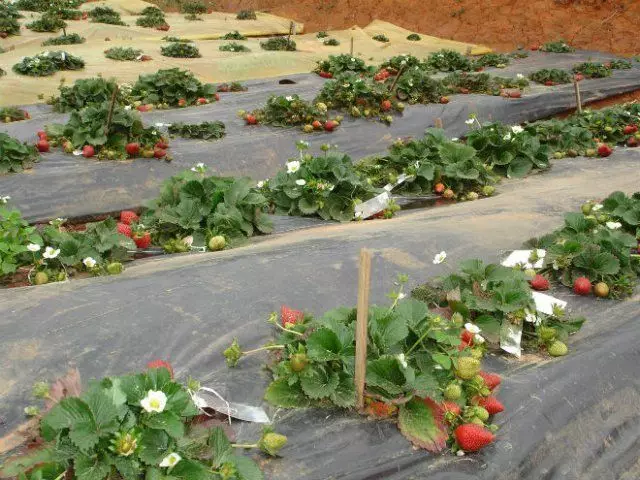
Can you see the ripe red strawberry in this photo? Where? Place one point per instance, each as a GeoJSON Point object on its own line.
{"type": "Point", "coordinates": [182, 102]}
{"type": "Point", "coordinates": [604, 150]}
{"type": "Point", "coordinates": [132, 149]}
{"type": "Point", "coordinates": [492, 380]}
{"type": "Point", "coordinates": [535, 47]}
{"type": "Point", "coordinates": [582, 286]}
{"type": "Point", "coordinates": [27, 115]}
{"type": "Point", "coordinates": [632, 142]}
{"type": "Point", "coordinates": [464, 91]}
{"type": "Point", "coordinates": [159, 153]}
{"type": "Point", "coordinates": [579, 77]}
{"type": "Point", "coordinates": [467, 337]}
{"type": "Point", "coordinates": [451, 407]}
{"type": "Point", "coordinates": [42, 135]}
{"type": "Point", "coordinates": [515, 94]}
{"type": "Point", "coordinates": [326, 74]}
{"type": "Point", "coordinates": [316, 124]}
{"type": "Point", "coordinates": [43, 145]}
{"type": "Point", "coordinates": [472, 437]}
{"type": "Point", "coordinates": [142, 240]}
{"type": "Point", "coordinates": [201, 101]}
{"type": "Point", "coordinates": [85, 15]}
{"type": "Point", "coordinates": [161, 364]}
{"type": "Point", "coordinates": [629, 129]}
{"type": "Point", "coordinates": [549, 83]}
{"type": "Point", "coordinates": [385, 106]}
{"type": "Point", "coordinates": [539, 283]}
{"type": "Point", "coordinates": [143, 108]}
{"type": "Point", "coordinates": [439, 188]}
{"type": "Point", "coordinates": [444, 100]}
{"type": "Point", "coordinates": [289, 316]}
{"type": "Point", "coordinates": [124, 229]}
{"type": "Point", "coordinates": [128, 217]}
{"type": "Point", "coordinates": [491, 405]}
{"type": "Point", "coordinates": [162, 144]}
{"type": "Point", "coordinates": [145, 58]}
{"type": "Point", "coordinates": [88, 151]}
{"type": "Point", "coordinates": [251, 119]}
{"type": "Point", "coordinates": [329, 125]}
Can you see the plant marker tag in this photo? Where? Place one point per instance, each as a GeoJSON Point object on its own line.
{"type": "Point", "coordinates": [521, 257]}
{"type": "Point", "coordinates": [379, 202]}
{"type": "Point", "coordinates": [545, 303]}
{"type": "Point", "coordinates": [208, 398]}
{"type": "Point", "coordinates": [510, 338]}
{"type": "Point", "coordinates": [198, 248]}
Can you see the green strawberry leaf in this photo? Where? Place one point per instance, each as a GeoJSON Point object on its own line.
{"type": "Point", "coordinates": [246, 469]}
{"type": "Point", "coordinates": [220, 446]}
{"type": "Point", "coordinates": [426, 385]}
{"type": "Point", "coordinates": [324, 345]}
{"type": "Point", "coordinates": [345, 393]}
{"type": "Point", "coordinates": [74, 414]}
{"type": "Point", "coordinates": [87, 468]}
{"type": "Point", "coordinates": [190, 470]}
{"type": "Point", "coordinates": [167, 421]}
{"type": "Point", "coordinates": [412, 311]}
{"type": "Point", "coordinates": [280, 394]}
{"type": "Point", "coordinates": [387, 374]}
{"type": "Point", "coordinates": [420, 421]}
{"type": "Point", "coordinates": [153, 446]}
{"type": "Point", "coordinates": [319, 383]}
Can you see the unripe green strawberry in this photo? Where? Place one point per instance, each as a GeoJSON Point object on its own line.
{"type": "Point", "coordinates": [530, 273]}
{"type": "Point", "coordinates": [271, 443]}
{"type": "Point", "coordinates": [468, 367]}
{"type": "Point", "coordinates": [587, 207]}
{"type": "Point", "coordinates": [488, 190]}
{"type": "Point", "coordinates": [217, 243]}
{"type": "Point", "coordinates": [485, 391]}
{"type": "Point", "coordinates": [41, 278]}
{"type": "Point", "coordinates": [452, 392]}
{"type": "Point", "coordinates": [477, 421]}
{"type": "Point", "coordinates": [298, 362]}
{"type": "Point", "coordinates": [477, 353]}
{"type": "Point", "coordinates": [481, 413]}
{"type": "Point", "coordinates": [557, 349]}
{"type": "Point", "coordinates": [457, 319]}
{"type": "Point", "coordinates": [547, 333]}
{"type": "Point", "coordinates": [472, 196]}
{"type": "Point", "coordinates": [114, 268]}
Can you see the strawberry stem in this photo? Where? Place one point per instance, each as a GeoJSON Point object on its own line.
{"type": "Point", "coordinates": [422, 337]}
{"type": "Point", "coordinates": [287, 330]}
{"type": "Point", "coordinates": [266, 347]}
{"type": "Point", "coordinates": [244, 445]}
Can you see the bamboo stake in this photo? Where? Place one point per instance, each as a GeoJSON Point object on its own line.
{"type": "Point", "coordinates": [576, 87]}
{"type": "Point", "coordinates": [395, 80]}
{"type": "Point", "coordinates": [438, 123]}
{"type": "Point", "coordinates": [292, 27]}
{"type": "Point", "coordinates": [351, 47]}
{"type": "Point", "coordinates": [111, 108]}
{"type": "Point", "coordinates": [364, 283]}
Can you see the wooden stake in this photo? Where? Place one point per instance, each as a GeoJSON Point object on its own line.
{"type": "Point", "coordinates": [111, 108]}
{"type": "Point", "coordinates": [351, 46]}
{"type": "Point", "coordinates": [438, 123]}
{"type": "Point", "coordinates": [292, 27]}
{"type": "Point", "coordinates": [364, 283]}
{"type": "Point", "coordinates": [576, 87]}
{"type": "Point", "coordinates": [395, 80]}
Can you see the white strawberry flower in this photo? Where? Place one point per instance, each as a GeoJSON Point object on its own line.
{"type": "Point", "coordinates": [455, 139]}
{"type": "Point", "coordinates": [469, 121]}
{"type": "Point", "coordinates": [477, 338]}
{"type": "Point", "coordinates": [154, 402]}
{"type": "Point", "coordinates": [358, 215]}
{"type": "Point", "coordinates": [460, 453]}
{"type": "Point", "coordinates": [33, 247]}
{"type": "Point", "coordinates": [471, 328]}
{"type": "Point", "coordinates": [89, 262]}
{"type": "Point", "coordinates": [77, 152]}
{"type": "Point", "coordinates": [613, 225]}
{"type": "Point", "coordinates": [596, 207]}
{"type": "Point", "coordinates": [402, 295]}
{"type": "Point", "coordinates": [517, 129]}
{"type": "Point", "coordinates": [293, 166]}
{"type": "Point", "coordinates": [260, 184]}
{"type": "Point", "coordinates": [127, 107]}
{"type": "Point", "coordinates": [439, 258]}
{"type": "Point", "coordinates": [519, 76]}
{"type": "Point", "coordinates": [531, 317]}
{"type": "Point", "coordinates": [301, 182]}
{"type": "Point", "coordinates": [199, 167]}
{"type": "Point", "coordinates": [51, 252]}
{"type": "Point", "coordinates": [289, 98]}
{"type": "Point", "coordinates": [507, 137]}
{"type": "Point", "coordinates": [5, 199]}
{"type": "Point", "coordinates": [402, 360]}
{"type": "Point", "coordinates": [170, 460]}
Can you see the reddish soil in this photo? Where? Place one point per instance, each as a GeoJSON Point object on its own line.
{"type": "Point", "coordinates": [606, 25]}
{"type": "Point", "coordinates": [607, 102]}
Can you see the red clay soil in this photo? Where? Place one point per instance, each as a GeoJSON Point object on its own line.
{"type": "Point", "coordinates": [605, 25]}
{"type": "Point", "coordinates": [606, 102]}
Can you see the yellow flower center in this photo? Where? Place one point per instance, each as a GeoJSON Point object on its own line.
{"type": "Point", "coordinates": [154, 403]}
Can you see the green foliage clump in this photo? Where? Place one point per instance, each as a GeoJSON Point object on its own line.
{"type": "Point", "coordinates": [279, 44]}
{"type": "Point", "coordinates": [47, 63]}
{"type": "Point", "coordinates": [180, 50]}
{"type": "Point", "coordinates": [416, 86]}
{"type": "Point", "coordinates": [491, 60]}
{"type": "Point", "coordinates": [559, 46]}
{"type": "Point", "coordinates": [47, 23]}
{"type": "Point", "coordinates": [551, 76]}
{"type": "Point", "coordinates": [246, 15]}
{"type": "Point", "coordinates": [381, 37]}
{"type": "Point", "coordinates": [233, 47]}
{"type": "Point", "coordinates": [69, 39]}
{"type": "Point", "coordinates": [331, 42]}
{"type": "Point", "coordinates": [105, 14]}
{"type": "Point", "coordinates": [194, 7]}
{"type": "Point", "coordinates": [448, 61]}
{"type": "Point", "coordinates": [151, 17]}
{"type": "Point", "coordinates": [85, 92]}
{"type": "Point", "coordinates": [205, 130]}
{"type": "Point", "coordinates": [414, 37]}
{"type": "Point", "coordinates": [9, 16]}
{"type": "Point", "coordinates": [16, 156]}
{"type": "Point", "coordinates": [592, 70]}
{"type": "Point", "coordinates": [123, 53]}
{"type": "Point", "coordinates": [12, 114]}
{"type": "Point", "coordinates": [337, 64]}
{"type": "Point", "coordinates": [235, 35]}
{"type": "Point", "coordinates": [15, 232]}
{"type": "Point", "coordinates": [169, 86]}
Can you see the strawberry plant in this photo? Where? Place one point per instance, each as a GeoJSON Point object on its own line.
{"type": "Point", "coordinates": [414, 37]}
{"type": "Point", "coordinates": [416, 374]}
{"type": "Point", "coordinates": [246, 15]}
{"type": "Point", "coordinates": [381, 37]}
{"type": "Point", "coordinates": [337, 64]}
{"type": "Point", "coordinates": [16, 156]}
{"type": "Point", "coordinates": [559, 46]}
{"type": "Point", "coordinates": [448, 61]}
{"type": "Point", "coordinates": [624, 210]}
{"type": "Point", "coordinates": [610, 124]}
{"type": "Point", "coordinates": [193, 7]}
{"type": "Point", "coordinates": [170, 86]}
{"type": "Point", "coordinates": [326, 186]}
{"type": "Point", "coordinates": [47, 63]}
{"type": "Point", "coordinates": [205, 130]}
{"type": "Point", "coordinates": [592, 70]}
{"type": "Point", "coordinates": [231, 87]}
{"type": "Point", "coordinates": [47, 23]}
{"type": "Point", "coordinates": [180, 50]}
{"type": "Point", "coordinates": [172, 39]}
{"type": "Point", "coordinates": [86, 129]}
{"type": "Point", "coordinates": [85, 92]}
{"type": "Point", "coordinates": [122, 54]}
{"type": "Point", "coordinates": [151, 17]}
{"type": "Point", "coordinates": [13, 114]}
{"type": "Point", "coordinates": [233, 47]}
{"type": "Point", "coordinates": [235, 35]}
{"type": "Point", "coordinates": [405, 62]}
{"type": "Point", "coordinates": [564, 137]}
{"type": "Point", "coordinates": [191, 203]}
{"type": "Point", "coordinates": [508, 151]}
{"type": "Point", "coordinates": [70, 39]}
{"type": "Point", "coordinates": [498, 60]}
{"type": "Point", "coordinates": [428, 162]}
{"type": "Point", "coordinates": [279, 44]}
{"type": "Point", "coordinates": [416, 86]}
{"type": "Point", "coordinates": [463, 82]}
{"type": "Point", "coordinates": [9, 16]}
{"type": "Point", "coordinates": [137, 426]}
{"type": "Point", "coordinates": [591, 247]}
{"type": "Point", "coordinates": [105, 14]}
{"type": "Point", "coordinates": [331, 42]}
{"type": "Point", "coordinates": [322, 34]}
{"type": "Point", "coordinates": [619, 64]}
{"type": "Point", "coordinates": [497, 300]}
{"type": "Point", "coordinates": [551, 76]}
{"type": "Point", "coordinates": [283, 111]}
{"type": "Point", "coordinates": [15, 233]}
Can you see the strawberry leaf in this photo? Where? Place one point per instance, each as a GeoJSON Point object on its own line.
{"type": "Point", "coordinates": [319, 383]}
{"type": "Point", "coordinates": [220, 446]}
{"type": "Point", "coordinates": [246, 469]}
{"type": "Point", "coordinates": [281, 394]}
{"type": "Point", "coordinates": [386, 374]}
{"type": "Point", "coordinates": [420, 422]}
{"type": "Point", "coordinates": [345, 393]}
{"type": "Point", "coordinates": [154, 445]}
{"type": "Point", "coordinates": [87, 468]}
{"type": "Point", "coordinates": [167, 421]}
{"type": "Point", "coordinates": [412, 311]}
{"type": "Point", "coordinates": [324, 345]}
{"type": "Point", "coordinates": [190, 470]}
{"type": "Point", "coordinates": [74, 414]}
